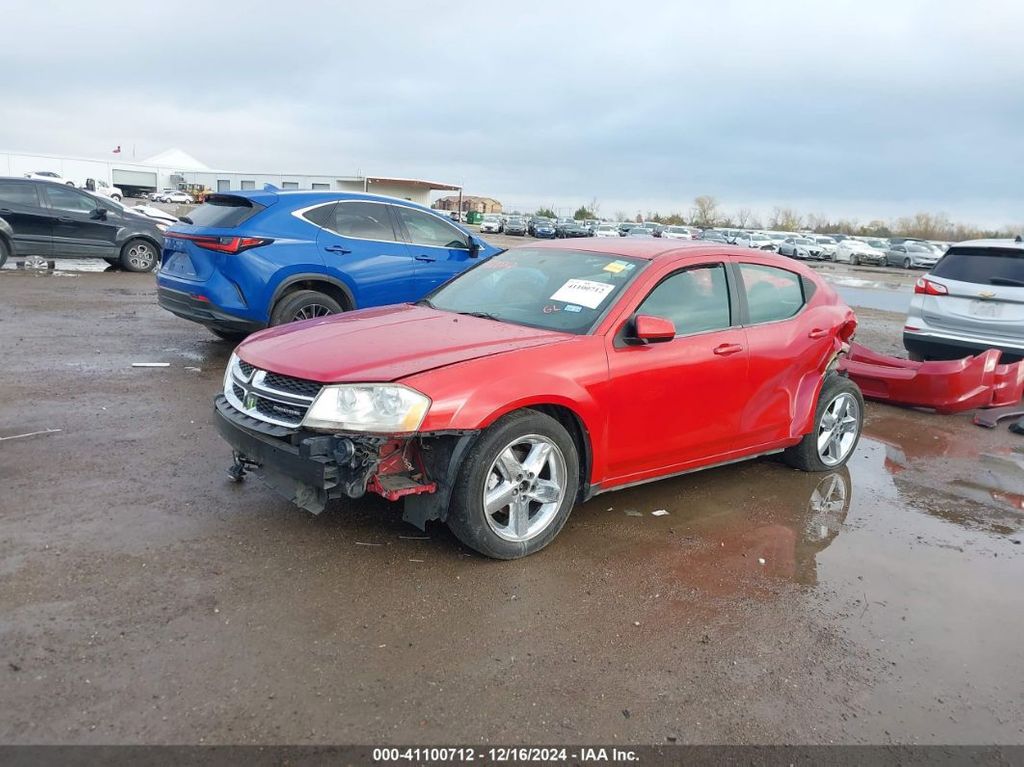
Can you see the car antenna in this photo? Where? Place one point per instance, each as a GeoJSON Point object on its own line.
{"type": "Point", "coordinates": [270, 188]}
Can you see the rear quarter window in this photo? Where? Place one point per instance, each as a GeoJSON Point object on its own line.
{"type": "Point", "coordinates": [772, 294]}
{"type": "Point", "coordinates": [19, 193]}
{"type": "Point", "coordinates": [982, 266]}
{"type": "Point", "coordinates": [224, 211]}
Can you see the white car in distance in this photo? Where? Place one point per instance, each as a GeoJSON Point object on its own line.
{"type": "Point", "coordinates": [606, 230]}
{"type": "Point", "coordinates": [676, 233]}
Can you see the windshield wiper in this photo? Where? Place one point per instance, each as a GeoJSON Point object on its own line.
{"type": "Point", "coordinates": [186, 219]}
{"type": "Point", "coordinates": [425, 302]}
{"type": "Point", "coordinates": [1008, 281]}
{"type": "Point", "coordinates": [483, 315]}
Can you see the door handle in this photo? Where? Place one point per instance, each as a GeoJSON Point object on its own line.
{"type": "Point", "coordinates": [817, 333]}
{"type": "Point", "coordinates": [724, 350]}
{"type": "Point", "coordinates": [425, 258]}
{"type": "Point", "coordinates": [6, 210]}
{"type": "Point", "coordinates": [65, 220]}
{"type": "Point", "coordinates": [337, 249]}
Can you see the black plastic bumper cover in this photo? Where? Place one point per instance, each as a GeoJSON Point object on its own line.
{"type": "Point", "coordinates": [183, 305]}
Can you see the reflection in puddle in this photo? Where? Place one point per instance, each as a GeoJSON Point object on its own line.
{"type": "Point", "coordinates": [728, 530]}
{"type": "Point", "coordinates": [938, 470]}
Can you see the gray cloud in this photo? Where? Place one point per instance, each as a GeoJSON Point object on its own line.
{"type": "Point", "coordinates": [854, 108]}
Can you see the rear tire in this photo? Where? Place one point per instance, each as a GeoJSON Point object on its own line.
{"type": "Point", "coordinates": [534, 459]}
{"type": "Point", "coordinates": [840, 413]}
{"type": "Point", "coordinates": [304, 305]}
{"type": "Point", "coordinates": [854, 261]}
{"type": "Point", "coordinates": [4, 252]}
{"type": "Point", "coordinates": [138, 255]}
{"type": "Point", "coordinates": [234, 336]}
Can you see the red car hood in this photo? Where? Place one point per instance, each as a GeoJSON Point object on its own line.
{"type": "Point", "coordinates": [384, 344]}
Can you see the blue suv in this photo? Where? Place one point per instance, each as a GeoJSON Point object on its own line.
{"type": "Point", "coordinates": [246, 260]}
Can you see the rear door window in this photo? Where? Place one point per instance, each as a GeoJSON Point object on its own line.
{"type": "Point", "coordinates": [19, 193]}
{"type": "Point", "coordinates": [982, 266]}
{"type": "Point", "coordinates": [224, 211]}
{"type": "Point", "coordinates": [772, 294]}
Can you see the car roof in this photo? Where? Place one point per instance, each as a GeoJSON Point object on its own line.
{"type": "Point", "coordinates": [990, 243]}
{"type": "Point", "coordinates": [648, 249]}
{"type": "Point", "coordinates": [307, 197]}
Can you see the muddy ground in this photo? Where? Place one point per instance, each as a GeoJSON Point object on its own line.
{"type": "Point", "coordinates": [145, 599]}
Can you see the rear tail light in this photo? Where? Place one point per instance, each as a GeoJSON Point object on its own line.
{"type": "Point", "coordinates": [929, 288]}
{"type": "Point", "coordinates": [224, 244]}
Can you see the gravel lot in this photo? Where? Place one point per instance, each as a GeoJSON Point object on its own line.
{"type": "Point", "coordinates": [145, 599]}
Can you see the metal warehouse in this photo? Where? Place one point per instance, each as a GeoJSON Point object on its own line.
{"type": "Point", "coordinates": [174, 167]}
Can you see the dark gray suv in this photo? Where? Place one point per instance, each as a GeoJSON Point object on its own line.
{"type": "Point", "coordinates": [53, 220]}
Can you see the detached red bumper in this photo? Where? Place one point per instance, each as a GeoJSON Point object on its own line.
{"type": "Point", "coordinates": [947, 387]}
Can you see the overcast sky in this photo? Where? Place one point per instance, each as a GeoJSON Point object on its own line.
{"type": "Point", "coordinates": [864, 109]}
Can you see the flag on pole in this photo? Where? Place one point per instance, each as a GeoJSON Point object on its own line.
{"type": "Point", "coordinates": [117, 149]}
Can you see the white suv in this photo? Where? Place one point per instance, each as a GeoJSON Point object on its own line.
{"type": "Point", "coordinates": [971, 300]}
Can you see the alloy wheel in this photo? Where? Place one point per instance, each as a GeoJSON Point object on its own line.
{"type": "Point", "coordinates": [838, 429]}
{"type": "Point", "coordinates": [141, 256]}
{"type": "Point", "coordinates": [524, 488]}
{"type": "Point", "coordinates": [310, 311]}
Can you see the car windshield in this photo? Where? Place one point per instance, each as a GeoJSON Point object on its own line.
{"type": "Point", "coordinates": [876, 244]}
{"type": "Point", "coordinates": [825, 241]}
{"type": "Point", "coordinates": [802, 241]}
{"type": "Point", "coordinates": [555, 289]}
{"type": "Point", "coordinates": [982, 266]}
{"type": "Point", "coordinates": [491, 217]}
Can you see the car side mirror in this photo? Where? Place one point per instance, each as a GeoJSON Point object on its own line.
{"type": "Point", "coordinates": [474, 247]}
{"type": "Point", "coordinates": [99, 214]}
{"type": "Point", "coordinates": [653, 330]}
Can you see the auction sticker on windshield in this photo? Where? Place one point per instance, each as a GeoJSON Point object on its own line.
{"type": "Point", "coordinates": [585, 292]}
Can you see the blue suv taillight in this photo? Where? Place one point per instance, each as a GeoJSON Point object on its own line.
{"type": "Point", "coordinates": [223, 244]}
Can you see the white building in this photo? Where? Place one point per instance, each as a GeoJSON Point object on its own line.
{"type": "Point", "coordinates": [174, 167]}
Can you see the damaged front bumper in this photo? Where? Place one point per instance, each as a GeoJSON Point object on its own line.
{"type": "Point", "coordinates": [309, 468]}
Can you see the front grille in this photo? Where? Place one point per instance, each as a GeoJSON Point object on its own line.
{"type": "Point", "coordinates": [292, 385]}
{"type": "Point", "coordinates": [270, 397]}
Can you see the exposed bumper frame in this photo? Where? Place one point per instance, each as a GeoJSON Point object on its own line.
{"type": "Point", "coordinates": [309, 469]}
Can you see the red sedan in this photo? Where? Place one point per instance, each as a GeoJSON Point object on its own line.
{"type": "Point", "coordinates": [543, 376]}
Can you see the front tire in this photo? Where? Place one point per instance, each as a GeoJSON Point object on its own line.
{"type": "Point", "coordinates": [4, 253]}
{"type": "Point", "coordinates": [138, 256]}
{"type": "Point", "coordinates": [906, 263]}
{"type": "Point", "coordinates": [304, 305]}
{"type": "Point", "coordinates": [516, 489]}
{"type": "Point", "coordinates": [838, 422]}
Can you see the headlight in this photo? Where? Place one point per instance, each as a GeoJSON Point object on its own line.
{"type": "Point", "coordinates": [385, 408]}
